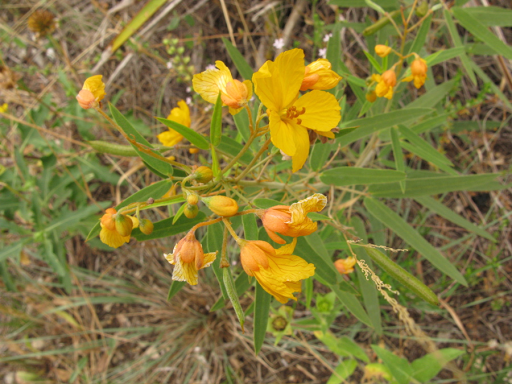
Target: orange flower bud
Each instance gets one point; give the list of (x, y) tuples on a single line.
[(193, 151), (255, 254), (146, 226), (419, 67), (345, 266), (192, 199), (107, 220), (124, 225), (203, 174), (191, 211), (86, 99), (189, 250), (221, 205), (389, 78), (371, 96), (382, 50), (235, 95)]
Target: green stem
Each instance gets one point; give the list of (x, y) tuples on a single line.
[(254, 160)]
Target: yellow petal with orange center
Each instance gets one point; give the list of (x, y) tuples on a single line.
[(212, 81), (322, 110), (96, 86), (282, 134)]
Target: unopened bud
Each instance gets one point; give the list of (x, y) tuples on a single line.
[(190, 250), (371, 96), (382, 50), (389, 78), (221, 205), (107, 220), (191, 211), (146, 226), (193, 151), (203, 174), (124, 225), (419, 67), (422, 9), (236, 94), (86, 99), (192, 199)]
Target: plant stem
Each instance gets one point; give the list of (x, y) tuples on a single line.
[(253, 161)]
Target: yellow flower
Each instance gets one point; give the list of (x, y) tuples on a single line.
[(181, 115), (234, 93), (277, 84), (382, 50), (318, 75), (3, 108), (385, 85), (92, 92), (292, 220), (345, 266), (278, 271), (188, 258), (109, 233), (418, 72)]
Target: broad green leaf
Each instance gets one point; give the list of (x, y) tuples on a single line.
[(353, 305), (140, 18), (195, 138), (319, 155), (480, 31), (367, 286), (250, 227), (233, 148), (216, 123), (242, 124), (241, 64), (215, 235), (433, 96), (175, 288), (399, 367), (307, 248), (159, 165), (458, 44), (427, 367), (369, 125), (266, 203), (165, 228), (344, 369), (398, 225), (350, 175), (231, 291), (421, 36), (398, 155), (261, 311), (433, 185), (448, 214), (491, 16)]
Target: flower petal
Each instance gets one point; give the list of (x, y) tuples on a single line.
[(170, 138), (212, 81), (301, 139), (209, 258), (96, 86), (112, 238), (282, 134), (322, 110), (301, 224), (290, 268), (184, 271), (181, 114)]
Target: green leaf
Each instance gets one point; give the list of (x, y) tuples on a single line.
[(448, 214), (350, 346), (452, 29), (428, 366), (140, 18), (12, 250), (230, 289), (421, 36), (216, 123), (307, 248), (175, 288), (373, 62), (333, 48), (398, 225), (433, 185), (165, 228), (399, 367), (491, 16), (344, 369), (195, 138), (363, 4), (398, 155), (353, 305), (431, 123), (179, 213), (250, 227), (159, 165), (433, 96), (350, 175), (367, 286), (402, 276), (241, 64), (261, 311), (480, 31), (369, 125), (215, 234), (266, 203), (319, 155), (488, 80)]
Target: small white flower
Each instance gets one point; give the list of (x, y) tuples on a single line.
[(279, 43), (327, 37), (188, 89), (322, 52), (188, 100), (50, 53), (210, 67), (169, 65), (208, 107)]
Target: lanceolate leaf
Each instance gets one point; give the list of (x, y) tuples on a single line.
[(261, 310), (216, 123), (350, 175), (241, 64), (398, 225), (195, 138)]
